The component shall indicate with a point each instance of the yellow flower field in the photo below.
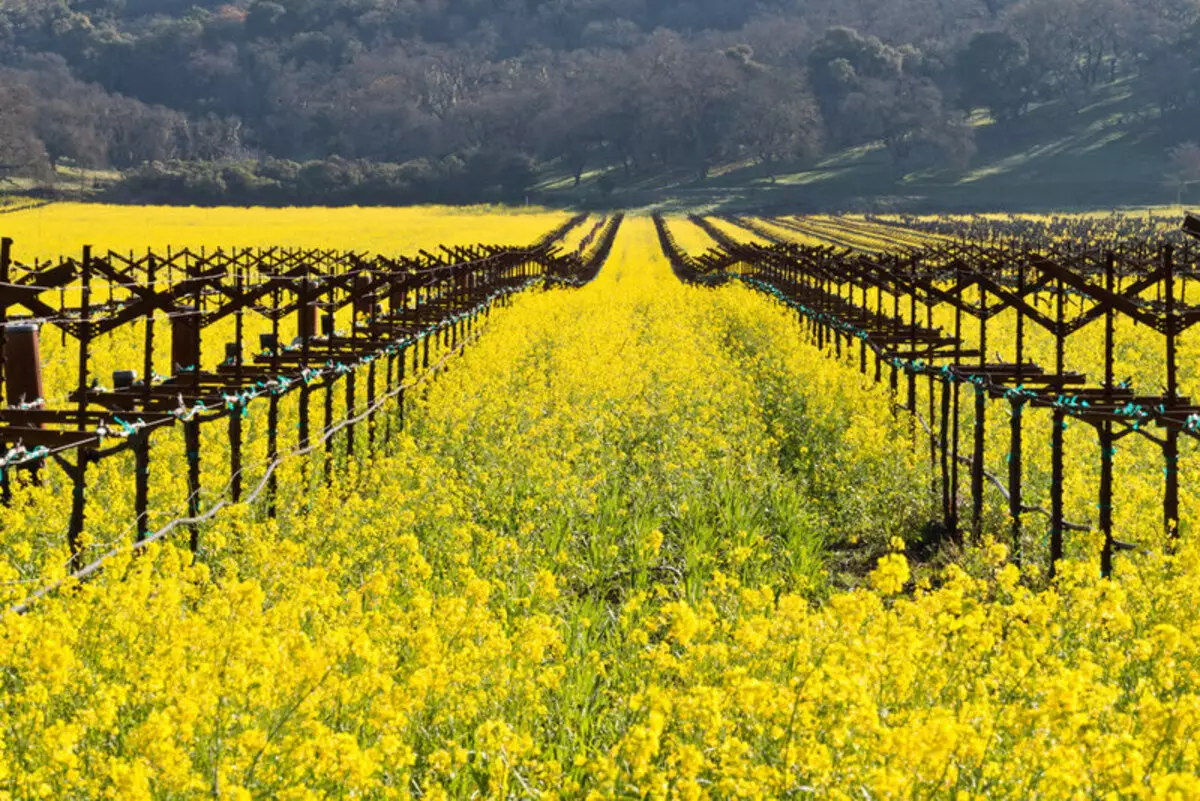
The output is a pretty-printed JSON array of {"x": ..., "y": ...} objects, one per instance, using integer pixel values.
[
  {"x": 640, "y": 541},
  {"x": 62, "y": 229},
  {"x": 1140, "y": 359}
]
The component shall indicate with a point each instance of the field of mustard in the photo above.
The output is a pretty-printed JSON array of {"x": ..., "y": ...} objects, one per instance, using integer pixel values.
[
  {"x": 62, "y": 229},
  {"x": 1140, "y": 360},
  {"x": 33, "y": 529},
  {"x": 639, "y": 541}
]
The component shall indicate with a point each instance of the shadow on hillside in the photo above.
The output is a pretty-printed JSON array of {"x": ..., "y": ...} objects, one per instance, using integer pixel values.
[{"x": 1102, "y": 155}]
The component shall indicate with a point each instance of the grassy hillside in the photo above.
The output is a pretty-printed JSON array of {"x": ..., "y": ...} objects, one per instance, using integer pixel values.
[
  {"x": 1108, "y": 153},
  {"x": 1105, "y": 154}
]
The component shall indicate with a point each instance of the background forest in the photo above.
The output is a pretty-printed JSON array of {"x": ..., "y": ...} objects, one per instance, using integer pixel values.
[{"x": 816, "y": 103}]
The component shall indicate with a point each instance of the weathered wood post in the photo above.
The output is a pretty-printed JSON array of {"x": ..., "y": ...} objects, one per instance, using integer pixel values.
[
  {"x": 191, "y": 428},
  {"x": 1015, "y": 454},
  {"x": 1171, "y": 441},
  {"x": 1107, "y": 442},
  {"x": 5, "y": 277},
  {"x": 1057, "y": 466},
  {"x": 236, "y": 356},
  {"x": 141, "y": 448},
  {"x": 979, "y": 449},
  {"x": 952, "y": 522},
  {"x": 79, "y": 479},
  {"x": 270, "y": 343}
]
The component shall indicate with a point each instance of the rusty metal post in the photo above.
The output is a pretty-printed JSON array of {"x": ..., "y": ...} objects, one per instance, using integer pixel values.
[
  {"x": 363, "y": 304},
  {"x": 23, "y": 356},
  {"x": 185, "y": 342},
  {"x": 308, "y": 322},
  {"x": 23, "y": 364}
]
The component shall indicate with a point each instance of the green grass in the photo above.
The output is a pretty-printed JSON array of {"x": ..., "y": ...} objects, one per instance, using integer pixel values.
[{"x": 70, "y": 183}]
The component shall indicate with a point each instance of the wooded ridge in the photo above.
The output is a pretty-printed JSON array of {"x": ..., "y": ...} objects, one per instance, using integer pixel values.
[{"x": 385, "y": 101}]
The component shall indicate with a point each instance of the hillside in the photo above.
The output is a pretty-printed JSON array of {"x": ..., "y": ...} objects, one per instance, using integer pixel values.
[
  {"x": 1110, "y": 154},
  {"x": 802, "y": 104}
]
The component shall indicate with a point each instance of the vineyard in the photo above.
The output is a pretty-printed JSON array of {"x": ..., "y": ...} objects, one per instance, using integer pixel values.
[
  {"x": 952, "y": 313},
  {"x": 441, "y": 503}
]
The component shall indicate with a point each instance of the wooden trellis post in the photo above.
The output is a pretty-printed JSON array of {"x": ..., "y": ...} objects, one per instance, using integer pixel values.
[
  {"x": 272, "y": 344},
  {"x": 980, "y": 434},
  {"x": 1105, "y": 428},
  {"x": 1057, "y": 470},
  {"x": 235, "y": 416},
  {"x": 952, "y": 521},
  {"x": 5, "y": 278},
  {"x": 201, "y": 289},
  {"x": 1171, "y": 441},
  {"x": 1016, "y": 446},
  {"x": 79, "y": 479},
  {"x": 191, "y": 427},
  {"x": 141, "y": 448}
]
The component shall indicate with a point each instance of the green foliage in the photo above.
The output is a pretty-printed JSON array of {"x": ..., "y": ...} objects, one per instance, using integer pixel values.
[
  {"x": 994, "y": 73},
  {"x": 481, "y": 176},
  {"x": 494, "y": 90}
]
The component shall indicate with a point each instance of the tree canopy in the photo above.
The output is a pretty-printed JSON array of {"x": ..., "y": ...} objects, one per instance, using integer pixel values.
[{"x": 634, "y": 85}]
